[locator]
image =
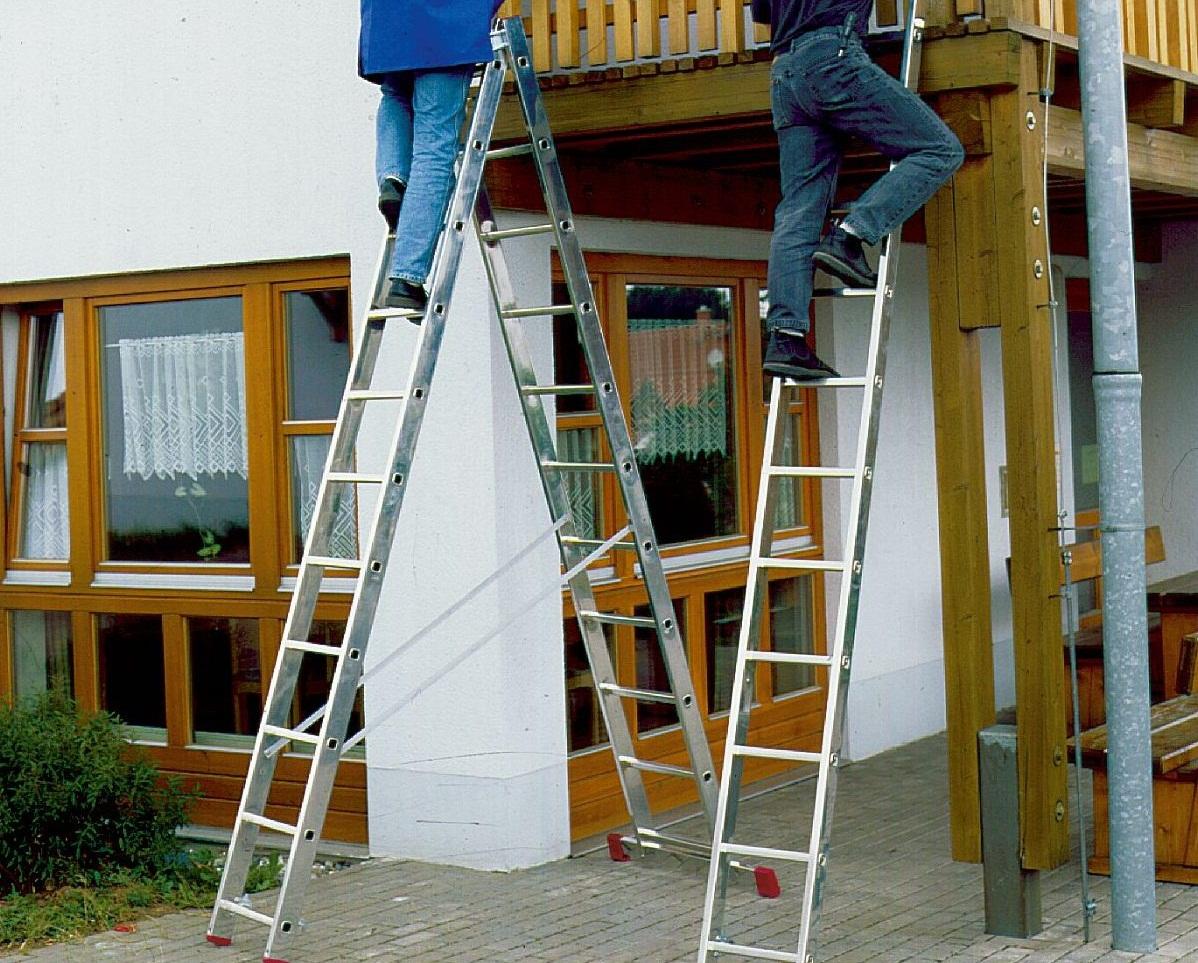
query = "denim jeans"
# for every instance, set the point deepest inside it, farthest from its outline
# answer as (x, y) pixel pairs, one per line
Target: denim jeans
(419, 121)
(820, 94)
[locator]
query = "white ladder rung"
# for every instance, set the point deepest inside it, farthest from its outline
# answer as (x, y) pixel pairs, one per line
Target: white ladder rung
(789, 658)
(369, 394)
(490, 237)
(330, 561)
(826, 382)
(611, 618)
(246, 912)
(659, 767)
(516, 150)
(316, 648)
(844, 292)
(292, 735)
(356, 478)
(765, 852)
(803, 564)
(593, 543)
(784, 755)
(811, 471)
(578, 466)
(557, 390)
(273, 825)
(548, 311)
(386, 314)
(752, 952)
(641, 695)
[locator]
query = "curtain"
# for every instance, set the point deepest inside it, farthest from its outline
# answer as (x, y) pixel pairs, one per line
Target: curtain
(309, 453)
(581, 444)
(184, 405)
(45, 533)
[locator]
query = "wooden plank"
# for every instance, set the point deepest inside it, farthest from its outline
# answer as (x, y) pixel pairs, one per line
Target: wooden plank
(1156, 101)
(596, 32)
(1174, 736)
(625, 45)
(706, 22)
(732, 25)
(886, 12)
(648, 29)
(964, 552)
(1187, 667)
(569, 43)
(678, 29)
(1027, 344)
(541, 34)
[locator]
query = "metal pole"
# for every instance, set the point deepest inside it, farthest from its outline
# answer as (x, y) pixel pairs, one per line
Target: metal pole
(1121, 477)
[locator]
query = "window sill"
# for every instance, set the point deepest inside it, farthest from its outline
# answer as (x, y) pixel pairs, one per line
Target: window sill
(328, 586)
(725, 556)
(25, 576)
(155, 580)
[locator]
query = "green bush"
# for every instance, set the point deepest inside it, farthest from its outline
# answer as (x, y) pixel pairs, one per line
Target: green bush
(77, 806)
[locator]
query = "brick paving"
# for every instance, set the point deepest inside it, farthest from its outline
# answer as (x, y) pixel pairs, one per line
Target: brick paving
(894, 895)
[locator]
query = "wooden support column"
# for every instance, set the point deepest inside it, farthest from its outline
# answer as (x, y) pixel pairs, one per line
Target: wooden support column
(1027, 345)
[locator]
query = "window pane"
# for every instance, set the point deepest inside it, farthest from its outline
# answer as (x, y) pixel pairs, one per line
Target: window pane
(651, 671)
(792, 630)
(46, 402)
(175, 459)
(722, 612)
(585, 728)
(583, 487)
(788, 512)
(683, 421)
(308, 454)
(45, 518)
(569, 363)
(41, 643)
(226, 678)
(132, 675)
(317, 352)
(315, 678)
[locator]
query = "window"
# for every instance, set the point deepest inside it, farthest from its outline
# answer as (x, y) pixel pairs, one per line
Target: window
(133, 672)
(792, 622)
(585, 726)
(651, 672)
(42, 653)
(40, 466)
(314, 686)
(722, 611)
(226, 680)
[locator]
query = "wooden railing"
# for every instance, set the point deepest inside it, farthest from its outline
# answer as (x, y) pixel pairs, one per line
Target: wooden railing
(594, 34)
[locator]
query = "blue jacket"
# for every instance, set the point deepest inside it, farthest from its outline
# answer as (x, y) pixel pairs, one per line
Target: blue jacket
(423, 34)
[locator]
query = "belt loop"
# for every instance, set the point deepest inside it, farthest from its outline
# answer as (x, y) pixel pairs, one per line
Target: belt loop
(846, 32)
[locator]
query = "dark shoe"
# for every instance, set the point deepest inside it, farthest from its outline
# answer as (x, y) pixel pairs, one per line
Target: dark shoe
(841, 254)
(406, 296)
(390, 201)
(788, 356)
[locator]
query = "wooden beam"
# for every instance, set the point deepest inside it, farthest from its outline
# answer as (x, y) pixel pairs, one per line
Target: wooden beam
(1156, 102)
(1159, 160)
(967, 115)
(1027, 342)
(964, 543)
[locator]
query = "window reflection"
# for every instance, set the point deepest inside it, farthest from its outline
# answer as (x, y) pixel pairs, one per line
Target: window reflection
(792, 630)
(226, 678)
(132, 674)
(651, 671)
(42, 653)
(586, 728)
(722, 611)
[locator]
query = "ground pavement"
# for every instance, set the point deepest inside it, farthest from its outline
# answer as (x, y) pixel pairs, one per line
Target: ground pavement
(894, 895)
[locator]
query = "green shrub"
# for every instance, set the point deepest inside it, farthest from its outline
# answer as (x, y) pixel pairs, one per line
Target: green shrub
(77, 806)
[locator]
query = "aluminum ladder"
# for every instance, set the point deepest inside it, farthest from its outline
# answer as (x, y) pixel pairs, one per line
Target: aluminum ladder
(323, 733)
(715, 940)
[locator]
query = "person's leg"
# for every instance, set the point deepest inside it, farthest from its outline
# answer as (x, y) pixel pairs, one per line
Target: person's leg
(439, 108)
(393, 144)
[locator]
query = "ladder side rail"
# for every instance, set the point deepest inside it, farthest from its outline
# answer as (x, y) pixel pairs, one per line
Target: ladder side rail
(357, 635)
(556, 494)
(858, 524)
(777, 432)
(578, 281)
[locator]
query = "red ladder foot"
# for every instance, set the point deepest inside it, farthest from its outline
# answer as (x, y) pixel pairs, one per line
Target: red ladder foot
(767, 882)
(272, 959)
(219, 940)
(616, 850)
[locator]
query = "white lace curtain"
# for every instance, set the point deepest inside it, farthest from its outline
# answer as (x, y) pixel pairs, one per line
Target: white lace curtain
(184, 405)
(45, 533)
(310, 452)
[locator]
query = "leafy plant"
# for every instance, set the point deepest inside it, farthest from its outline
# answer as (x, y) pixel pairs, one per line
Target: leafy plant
(209, 546)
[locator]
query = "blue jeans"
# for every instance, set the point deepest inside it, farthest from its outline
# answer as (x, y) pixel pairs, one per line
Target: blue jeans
(419, 122)
(819, 95)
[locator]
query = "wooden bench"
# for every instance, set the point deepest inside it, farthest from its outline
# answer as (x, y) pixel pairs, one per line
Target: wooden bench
(1174, 779)
(1086, 568)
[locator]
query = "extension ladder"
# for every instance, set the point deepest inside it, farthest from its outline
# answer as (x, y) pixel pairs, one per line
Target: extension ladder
(715, 940)
(324, 731)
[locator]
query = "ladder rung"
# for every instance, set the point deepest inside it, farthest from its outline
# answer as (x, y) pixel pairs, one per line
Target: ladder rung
(329, 561)
(272, 824)
(791, 658)
(368, 394)
(550, 310)
(753, 952)
(245, 911)
(558, 390)
(355, 478)
(641, 695)
(314, 647)
(490, 237)
(826, 382)
(611, 618)
(803, 564)
(578, 466)
(844, 292)
(385, 314)
(659, 767)
(292, 735)
(516, 150)
(811, 471)
(765, 852)
(785, 755)
(593, 543)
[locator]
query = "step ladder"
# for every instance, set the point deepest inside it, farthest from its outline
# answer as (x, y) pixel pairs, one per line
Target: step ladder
(323, 733)
(716, 940)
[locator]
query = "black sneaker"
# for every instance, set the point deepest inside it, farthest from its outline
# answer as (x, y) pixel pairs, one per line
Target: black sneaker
(406, 296)
(788, 356)
(390, 201)
(842, 255)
